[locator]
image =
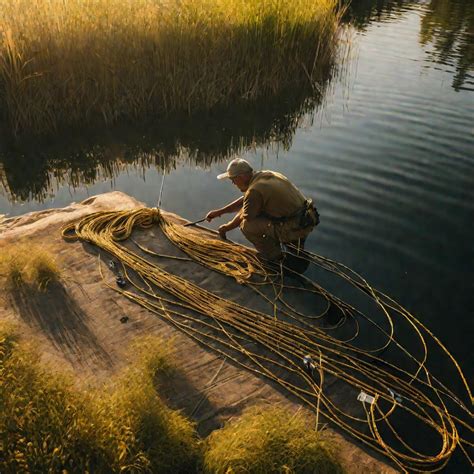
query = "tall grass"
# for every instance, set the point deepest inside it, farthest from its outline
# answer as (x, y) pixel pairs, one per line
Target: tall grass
(46, 425)
(49, 425)
(97, 61)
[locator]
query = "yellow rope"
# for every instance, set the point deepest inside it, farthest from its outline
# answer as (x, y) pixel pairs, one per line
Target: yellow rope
(232, 330)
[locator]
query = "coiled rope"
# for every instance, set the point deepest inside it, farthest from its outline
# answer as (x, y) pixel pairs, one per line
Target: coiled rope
(274, 345)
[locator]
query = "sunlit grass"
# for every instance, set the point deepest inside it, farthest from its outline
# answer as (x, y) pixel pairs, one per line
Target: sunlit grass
(47, 425)
(270, 439)
(44, 425)
(144, 433)
(29, 265)
(79, 62)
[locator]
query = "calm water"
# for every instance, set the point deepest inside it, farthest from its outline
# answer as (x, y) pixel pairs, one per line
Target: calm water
(389, 158)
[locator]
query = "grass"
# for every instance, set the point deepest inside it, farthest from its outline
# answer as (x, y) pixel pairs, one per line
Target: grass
(46, 425)
(28, 265)
(145, 434)
(83, 61)
(49, 425)
(270, 440)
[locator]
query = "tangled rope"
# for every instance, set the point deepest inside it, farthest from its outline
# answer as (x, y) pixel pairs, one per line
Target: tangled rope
(297, 351)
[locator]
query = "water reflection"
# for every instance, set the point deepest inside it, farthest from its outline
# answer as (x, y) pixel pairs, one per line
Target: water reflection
(448, 26)
(446, 33)
(205, 138)
(361, 13)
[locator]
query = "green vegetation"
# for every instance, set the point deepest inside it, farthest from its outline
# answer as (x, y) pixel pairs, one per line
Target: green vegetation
(28, 265)
(270, 440)
(145, 434)
(76, 62)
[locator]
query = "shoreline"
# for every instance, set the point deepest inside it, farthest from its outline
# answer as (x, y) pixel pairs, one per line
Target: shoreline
(103, 355)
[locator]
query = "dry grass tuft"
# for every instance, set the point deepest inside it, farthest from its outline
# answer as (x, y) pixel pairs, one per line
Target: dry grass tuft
(266, 440)
(28, 265)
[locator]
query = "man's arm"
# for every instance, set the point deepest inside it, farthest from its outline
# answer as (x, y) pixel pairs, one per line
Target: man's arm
(251, 207)
(233, 224)
(234, 206)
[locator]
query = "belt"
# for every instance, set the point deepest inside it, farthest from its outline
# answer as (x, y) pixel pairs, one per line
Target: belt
(299, 213)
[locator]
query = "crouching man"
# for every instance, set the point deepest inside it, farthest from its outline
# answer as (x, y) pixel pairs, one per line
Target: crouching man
(272, 211)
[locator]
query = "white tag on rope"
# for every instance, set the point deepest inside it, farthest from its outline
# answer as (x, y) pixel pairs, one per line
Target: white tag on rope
(365, 398)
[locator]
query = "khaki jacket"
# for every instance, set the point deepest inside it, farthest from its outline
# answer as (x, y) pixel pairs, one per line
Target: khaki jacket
(270, 194)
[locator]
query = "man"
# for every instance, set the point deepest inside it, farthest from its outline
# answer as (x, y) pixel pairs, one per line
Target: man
(271, 212)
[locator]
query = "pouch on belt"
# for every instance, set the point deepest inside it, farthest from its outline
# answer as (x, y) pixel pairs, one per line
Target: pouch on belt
(309, 215)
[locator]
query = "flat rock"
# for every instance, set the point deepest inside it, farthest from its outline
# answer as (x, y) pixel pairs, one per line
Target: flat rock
(83, 325)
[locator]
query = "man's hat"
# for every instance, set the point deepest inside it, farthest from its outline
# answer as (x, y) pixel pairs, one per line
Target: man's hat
(236, 168)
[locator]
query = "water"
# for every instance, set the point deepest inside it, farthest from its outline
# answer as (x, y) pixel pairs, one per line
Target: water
(389, 159)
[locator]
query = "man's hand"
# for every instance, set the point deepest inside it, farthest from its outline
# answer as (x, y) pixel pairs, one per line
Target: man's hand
(223, 229)
(213, 214)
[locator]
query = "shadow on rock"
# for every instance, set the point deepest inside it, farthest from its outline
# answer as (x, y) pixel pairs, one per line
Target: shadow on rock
(62, 321)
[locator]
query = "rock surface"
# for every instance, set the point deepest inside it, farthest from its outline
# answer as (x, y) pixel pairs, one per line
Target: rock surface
(77, 324)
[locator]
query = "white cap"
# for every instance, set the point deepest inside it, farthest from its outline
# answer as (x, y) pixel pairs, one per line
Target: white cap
(236, 168)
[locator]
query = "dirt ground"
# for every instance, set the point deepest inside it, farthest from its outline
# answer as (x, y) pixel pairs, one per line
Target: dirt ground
(77, 325)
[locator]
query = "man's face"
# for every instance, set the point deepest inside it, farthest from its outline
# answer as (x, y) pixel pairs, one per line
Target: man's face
(242, 182)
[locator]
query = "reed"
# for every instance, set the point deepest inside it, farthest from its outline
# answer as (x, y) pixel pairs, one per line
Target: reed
(99, 61)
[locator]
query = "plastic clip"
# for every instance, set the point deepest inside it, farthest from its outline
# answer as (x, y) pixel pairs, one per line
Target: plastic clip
(396, 396)
(309, 364)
